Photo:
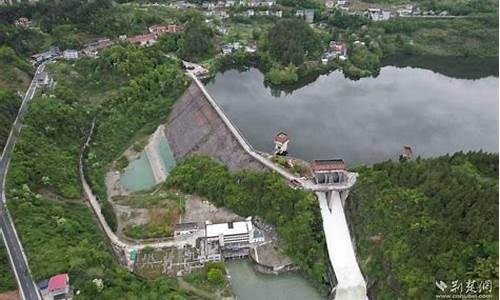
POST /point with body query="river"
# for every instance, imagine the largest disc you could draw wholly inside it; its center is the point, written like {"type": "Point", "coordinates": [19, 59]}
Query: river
{"type": "Point", "coordinates": [367, 120]}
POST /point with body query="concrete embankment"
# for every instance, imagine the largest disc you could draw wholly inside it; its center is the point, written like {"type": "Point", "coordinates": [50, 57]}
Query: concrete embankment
{"type": "Point", "coordinates": [194, 127]}
{"type": "Point", "coordinates": [152, 151]}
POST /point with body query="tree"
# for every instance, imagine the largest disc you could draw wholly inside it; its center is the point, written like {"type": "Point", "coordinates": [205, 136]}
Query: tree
{"type": "Point", "coordinates": [196, 42]}
{"type": "Point", "coordinates": [215, 277]}
{"type": "Point", "coordinates": [291, 41]}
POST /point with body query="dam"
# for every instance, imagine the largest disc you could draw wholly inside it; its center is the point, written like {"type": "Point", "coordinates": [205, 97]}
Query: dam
{"type": "Point", "coordinates": [197, 125]}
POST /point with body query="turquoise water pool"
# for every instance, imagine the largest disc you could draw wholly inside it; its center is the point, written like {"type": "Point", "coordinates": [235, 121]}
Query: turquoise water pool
{"type": "Point", "coordinates": [138, 176]}
{"type": "Point", "coordinates": [166, 154]}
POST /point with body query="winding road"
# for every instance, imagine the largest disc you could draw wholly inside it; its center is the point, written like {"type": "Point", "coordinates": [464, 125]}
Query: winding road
{"type": "Point", "coordinates": [15, 251]}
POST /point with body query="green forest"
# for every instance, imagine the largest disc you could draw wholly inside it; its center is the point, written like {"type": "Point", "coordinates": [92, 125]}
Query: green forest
{"type": "Point", "coordinates": [125, 91]}
{"type": "Point", "coordinates": [417, 222]}
{"type": "Point", "coordinates": [263, 194]}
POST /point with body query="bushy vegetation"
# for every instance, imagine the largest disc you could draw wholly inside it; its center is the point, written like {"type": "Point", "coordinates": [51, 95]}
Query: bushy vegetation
{"type": "Point", "coordinates": [72, 242]}
{"type": "Point", "coordinates": [211, 278]}
{"type": "Point", "coordinates": [280, 76]}
{"type": "Point", "coordinates": [417, 222]}
{"type": "Point", "coordinates": [7, 279]}
{"type": "Point", "coordinates": [59, 234]}
{"type": "Point", "coordinates": [9, 104]}
{"type": "Point", "coordinates": [46, 155]}
{"type": "Point", "coordinates": [154, 83]}
{"type": "Point", "coordinates": [265, 194]}
{"type": "Point", "coordinates": [291, 41]}
{"type": "Point", "coordinates": [196, 42]}
{"type": "Point", "coordinates": [14, 77]}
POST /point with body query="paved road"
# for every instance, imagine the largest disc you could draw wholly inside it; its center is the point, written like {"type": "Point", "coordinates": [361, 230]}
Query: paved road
{"type": "Point", "coordinates": [17, 257]}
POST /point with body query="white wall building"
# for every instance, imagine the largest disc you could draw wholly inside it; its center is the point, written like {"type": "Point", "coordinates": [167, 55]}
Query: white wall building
{"type": "Point", "coordinates": [70, 54]}
{"type": "Point", "coordinates": [233, 233]}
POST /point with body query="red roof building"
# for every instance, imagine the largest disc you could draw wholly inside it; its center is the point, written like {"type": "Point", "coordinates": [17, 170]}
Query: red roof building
{"type": "Point", "coordinates": [281, 137]}
{"type": "Point", "coordinates": [158, 29]}
{"type": "Point", "coordinates": [173, 28]}
{"type": "Point", "coordinates": [58, 284]}
{"type": "Point", "coordinates": [143, 39]}
{"type": "Point", "coordinates": [328, 165]}
{"type": "Point", "coordinates": [406, 152]}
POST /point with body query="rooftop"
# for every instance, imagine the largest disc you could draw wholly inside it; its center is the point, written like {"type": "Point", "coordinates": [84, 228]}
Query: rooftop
{"type": "Point", "coordinates": [58, 282]}
{"type": "Point", "coordinates": [406, 151]}
{"type": "Point", "coordinates": [328, 165]}
{"type": "Point", "coordinates": [186, 226]}
{"type": "Point", "coordinates": [142, 38]}
{"type": "Point", "coordinates": [230, 228]}
{"type": "Point", "coordinates": [281, 137]}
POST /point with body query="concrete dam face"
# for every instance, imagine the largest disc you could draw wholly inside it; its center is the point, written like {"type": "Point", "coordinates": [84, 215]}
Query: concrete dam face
{"type": "Point", "coordinates": [195, 127]}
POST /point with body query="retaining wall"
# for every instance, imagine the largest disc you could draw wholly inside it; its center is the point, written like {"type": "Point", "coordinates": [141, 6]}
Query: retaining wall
{"type": "Point", "coordinates": [194, 127]}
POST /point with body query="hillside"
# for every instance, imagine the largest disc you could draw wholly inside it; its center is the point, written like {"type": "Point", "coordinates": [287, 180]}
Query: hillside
{"type": "Point", "coordinates": [423, 221]}
{"type": "Point", "coordinates": [15, 76]}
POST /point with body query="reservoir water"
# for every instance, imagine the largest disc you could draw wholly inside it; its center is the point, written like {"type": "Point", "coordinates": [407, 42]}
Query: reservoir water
{"type": "Point", "coordinates": [368, 120]}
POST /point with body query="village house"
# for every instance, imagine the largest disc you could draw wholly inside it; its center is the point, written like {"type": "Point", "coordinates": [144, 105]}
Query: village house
{"type": "Point", "coordinates": [221, 13]}
{"type": "Point", "coordinates": [58, 288]}
{"type": "Point", "coordinates": [277, 13]}
{"type": "Point", "coordinates": [172, 28]}
{"type": "Point", "coordinates": [70, 54]}
{"type": "Point", "coordinates": [208, 5]}
{"type": "Point", "coordinates": [38, 58]}
{"type": "Point", "coordinates": [249, 13]}
{"type": "Point", "coordinates": [330, 3]}
{"type": "Point", "coordinates": [252, 48]}
{"type": "Point", "coordinates": [143, 40]}
{"type": "Point", "coordinates": [91, 49]}
{"type": "Point", "coordinates": [43, 80]}
{"type": "Point", "coordinates": [261, 3]}
{"type": "Point", "coordinates": [377, 14]}
{"type": "Point", "coordinates": [406, 152]}
{"type": "Point", "coordinates": [185, 228]}
{"type": "Point", "coordinates": [342, 2]}
{"type": "Point", "coordinates": [281, 141]}
{"type": "Point", "coordinates": [309, 14]}
{"type": "Point", "coordinates": [231, 47]}
{"type": "Point", "coordinates": [22, 22]}
{"type": "Point", "coordinates": [157, 29]}
{"type": "Point", "coordinates": [338, 49]}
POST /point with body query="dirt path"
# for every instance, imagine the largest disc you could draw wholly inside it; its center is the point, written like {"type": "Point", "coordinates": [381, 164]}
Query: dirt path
{"type": "Point", "coordinates": [10, 295]}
